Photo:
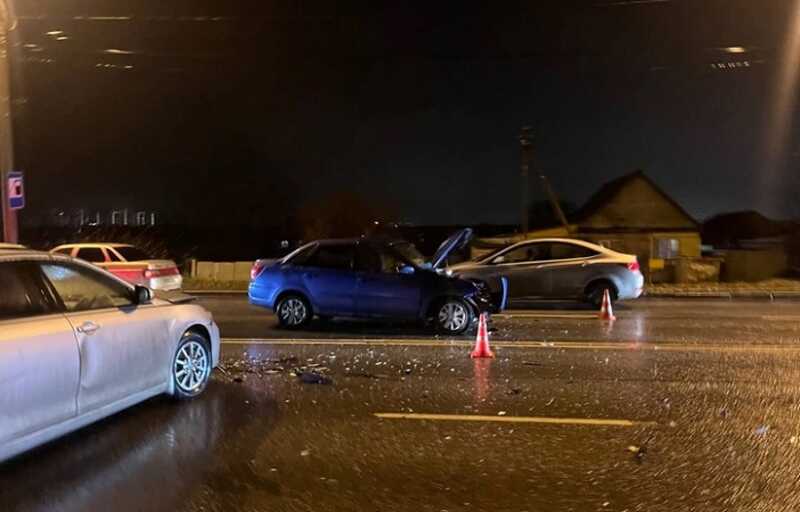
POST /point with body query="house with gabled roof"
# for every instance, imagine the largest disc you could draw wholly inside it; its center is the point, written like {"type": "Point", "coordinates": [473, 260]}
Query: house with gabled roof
{"type": "Point", "coordinates": [633, 214]}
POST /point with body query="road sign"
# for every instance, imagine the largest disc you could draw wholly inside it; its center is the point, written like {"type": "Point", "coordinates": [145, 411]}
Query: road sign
{"type": "Point", "coordinates": [16, 191]}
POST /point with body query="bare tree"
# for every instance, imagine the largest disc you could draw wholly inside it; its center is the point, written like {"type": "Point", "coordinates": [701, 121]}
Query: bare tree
{"type": "Point", "coordinates": [340, 214]}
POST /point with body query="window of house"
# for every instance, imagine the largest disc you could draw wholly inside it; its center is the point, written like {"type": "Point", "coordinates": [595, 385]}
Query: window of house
{"type": "Point", "coordinates": [668, 248]}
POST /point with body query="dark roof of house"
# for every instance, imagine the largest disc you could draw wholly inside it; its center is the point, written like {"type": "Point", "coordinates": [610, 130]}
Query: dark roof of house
{"type": "Point", "coordinates": [609, 191]}
{"type": "Point", "coordinates": [728, 229]}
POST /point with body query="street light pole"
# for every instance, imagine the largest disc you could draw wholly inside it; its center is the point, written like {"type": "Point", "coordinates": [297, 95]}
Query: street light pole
{"type": "Point", "coordinates": [8, 23]}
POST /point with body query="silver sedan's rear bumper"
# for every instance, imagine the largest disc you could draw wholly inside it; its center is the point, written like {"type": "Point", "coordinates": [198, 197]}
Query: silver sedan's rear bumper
{"type": "Point", "coordinates": [631, 287]}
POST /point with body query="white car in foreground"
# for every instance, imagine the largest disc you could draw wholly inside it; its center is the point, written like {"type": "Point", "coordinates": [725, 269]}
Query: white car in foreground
{"type": "Point", "coordinates": [78, 344]}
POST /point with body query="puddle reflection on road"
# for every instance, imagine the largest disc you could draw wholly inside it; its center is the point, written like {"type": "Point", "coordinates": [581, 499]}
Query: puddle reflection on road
{"type": "Point", "coordinates": [153, 457]}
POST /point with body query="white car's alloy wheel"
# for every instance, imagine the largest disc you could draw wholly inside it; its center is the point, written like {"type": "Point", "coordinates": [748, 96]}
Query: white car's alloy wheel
{"type": "Point", "coordinates": [192, 367]}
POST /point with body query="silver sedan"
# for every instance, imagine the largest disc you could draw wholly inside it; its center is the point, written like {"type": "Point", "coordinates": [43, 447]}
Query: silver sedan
{"type": "Point", "coordinates": [78, 344]}
{"type": "Point", "coordinates": [558, 268]}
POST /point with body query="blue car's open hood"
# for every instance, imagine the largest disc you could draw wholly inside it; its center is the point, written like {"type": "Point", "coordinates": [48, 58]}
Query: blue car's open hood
{"type": "Point", "coordinates": [456, 242]}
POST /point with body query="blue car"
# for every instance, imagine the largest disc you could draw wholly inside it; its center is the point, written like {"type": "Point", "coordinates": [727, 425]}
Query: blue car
{"type": "Point", "coordinates": [377, 278]}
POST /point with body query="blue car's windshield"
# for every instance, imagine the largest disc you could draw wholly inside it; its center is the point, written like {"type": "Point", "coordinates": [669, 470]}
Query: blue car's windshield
{"type": "Point", "coordinates": [410, 253]}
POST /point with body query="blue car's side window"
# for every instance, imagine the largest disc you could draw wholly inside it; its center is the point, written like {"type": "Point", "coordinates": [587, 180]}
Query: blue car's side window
{"type": "Point", "coordinates": [368, 260]}
{"type": "Point", "coordinates": [391, 263]}
{"type": "Point", "coordinates": [301, 255]}
{"type": "Point", "coordinates": [335, 257]}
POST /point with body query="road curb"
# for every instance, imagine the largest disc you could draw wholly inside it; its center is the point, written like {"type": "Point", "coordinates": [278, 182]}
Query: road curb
{"type": "Point", "coordinates": [215, 292]}
{"type": "Point", "coordinates": [745, 295]}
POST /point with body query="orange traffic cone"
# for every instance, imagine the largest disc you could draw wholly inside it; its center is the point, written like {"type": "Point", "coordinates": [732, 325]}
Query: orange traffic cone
{"type": "Point", "coordinates": [606, 313]}
{"type": "Point", "coordinates": [482, 340]}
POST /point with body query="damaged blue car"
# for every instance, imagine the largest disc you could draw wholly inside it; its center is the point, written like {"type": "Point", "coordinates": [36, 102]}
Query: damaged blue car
{"type": "Point", "coordinates": [370, 277]}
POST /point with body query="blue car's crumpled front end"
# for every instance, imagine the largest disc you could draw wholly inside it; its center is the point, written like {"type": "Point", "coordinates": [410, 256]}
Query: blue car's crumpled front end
{"type": "Point", "coordinates": [483, 300]}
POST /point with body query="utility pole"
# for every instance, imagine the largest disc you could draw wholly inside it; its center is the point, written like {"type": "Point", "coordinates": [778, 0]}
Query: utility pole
{"type": "Point", "coordinates": [551, 196]}
{"type": "Point", "coordinates": [525, 149]}
{"type": "Point", "coordinates": [8, 23]}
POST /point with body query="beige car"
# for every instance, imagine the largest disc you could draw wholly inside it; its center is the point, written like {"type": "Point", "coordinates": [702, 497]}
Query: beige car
{"type": "Point", "coordinates": [78, 344]}
{"type": "Point", "coordinates": [11, 247]}
{"type": "Point", "coordinates": [127, 262]}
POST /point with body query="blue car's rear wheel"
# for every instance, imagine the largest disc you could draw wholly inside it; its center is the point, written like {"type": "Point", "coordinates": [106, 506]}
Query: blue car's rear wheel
{"type": "Point", "coordinates": [293, 311]}
{"type": "Point", "coordinates": [453, 316]}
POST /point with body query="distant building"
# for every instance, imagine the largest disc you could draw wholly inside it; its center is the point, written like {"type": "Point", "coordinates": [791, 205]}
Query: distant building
{"type": "Point", "coordinates": [754, 247]}
{"type": "Point", "coordinates": [745, 230]}
{"type": "Point", "coordinates": [83, 217]}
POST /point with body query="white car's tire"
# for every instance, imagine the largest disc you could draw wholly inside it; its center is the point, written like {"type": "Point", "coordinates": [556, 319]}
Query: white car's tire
{"type": "Point", "coordinates": [191, 366]}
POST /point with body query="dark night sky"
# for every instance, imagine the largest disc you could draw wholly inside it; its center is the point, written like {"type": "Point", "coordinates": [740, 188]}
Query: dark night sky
{"type": "Point", "coordinates": [261, 107]}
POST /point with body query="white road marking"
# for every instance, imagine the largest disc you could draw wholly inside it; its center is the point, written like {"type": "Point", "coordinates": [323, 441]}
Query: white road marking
{"type": "Point", "coordinates": [597, 422]}
{"type": "Point", "coordinates": [215, 292]}
{"type": "Point", "coordinates": [573, 345]}
{"type": "Point", "coordinates": [564, 316]}
{"type": "Point", "coordinates": [781, 318]}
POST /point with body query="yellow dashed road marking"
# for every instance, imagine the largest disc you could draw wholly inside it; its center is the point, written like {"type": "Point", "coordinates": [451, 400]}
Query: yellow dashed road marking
{"type": "Point", "coordinates": [595, 422]}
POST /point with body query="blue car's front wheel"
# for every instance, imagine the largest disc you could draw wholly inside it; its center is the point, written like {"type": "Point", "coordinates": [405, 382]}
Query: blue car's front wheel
{"type": "Point", "coordinates": [453, 316]}
{"type": "Point", "coordinates": [293, 311]}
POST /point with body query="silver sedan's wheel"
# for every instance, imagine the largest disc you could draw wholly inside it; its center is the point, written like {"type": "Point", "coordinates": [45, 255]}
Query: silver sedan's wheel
{"type": "Point", "coordinates": [293, 311]}
{"type": "Point", "coordinates": [595, 292]}
{"type": "Point", "coordinates": [192, 366]}
{"type": "Point", "coordinates": [453, 317]}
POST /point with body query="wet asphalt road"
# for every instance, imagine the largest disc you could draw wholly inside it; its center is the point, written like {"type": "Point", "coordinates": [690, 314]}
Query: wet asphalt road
{"type": "Point", "coordinates": [644, 321]}
{"type": "Point", "coordinates": [686, 405]}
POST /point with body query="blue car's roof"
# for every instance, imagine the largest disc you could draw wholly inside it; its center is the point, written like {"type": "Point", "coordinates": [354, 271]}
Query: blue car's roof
{"type": "Point", "coordinates": [335, 241]}
{"type": "Point", "coordinates": [370, 239]}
